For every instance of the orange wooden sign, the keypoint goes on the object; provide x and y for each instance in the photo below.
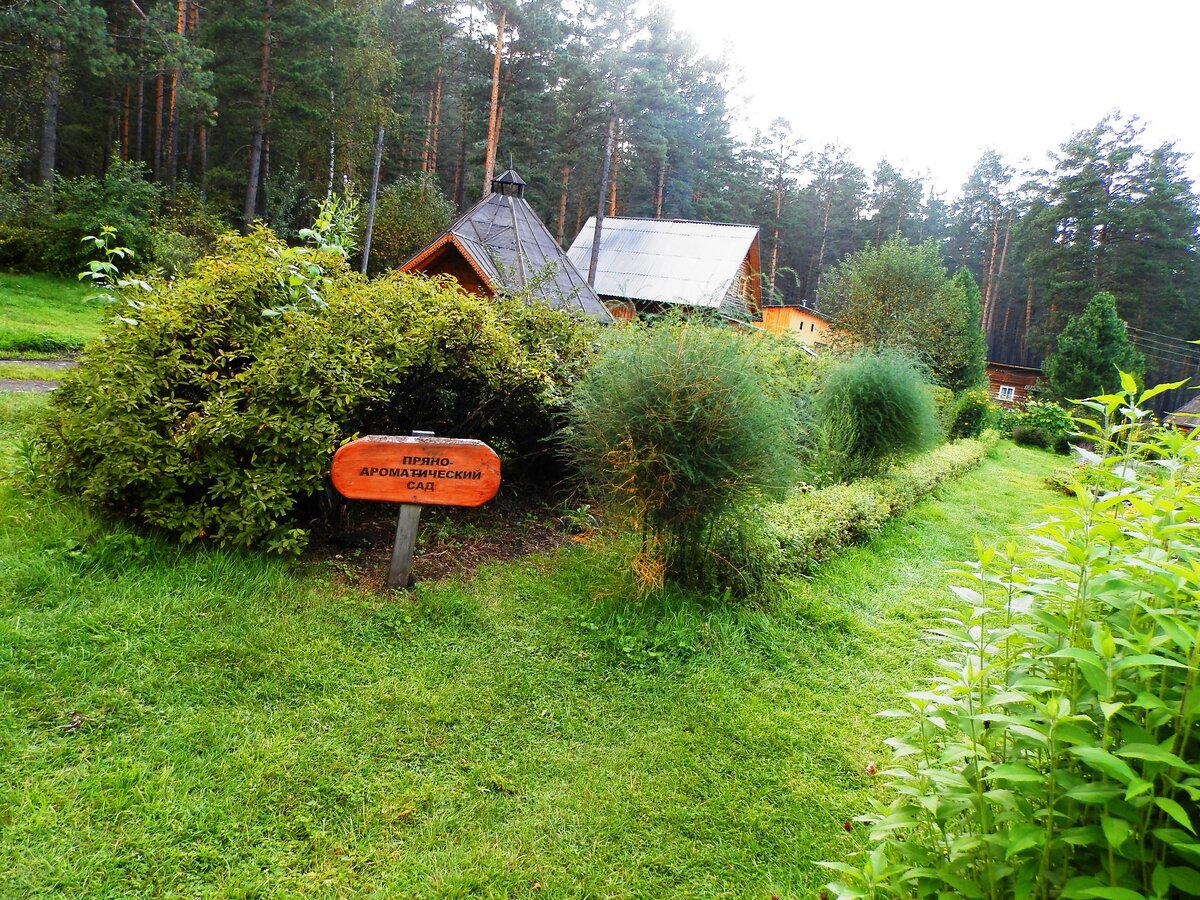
(430, 471)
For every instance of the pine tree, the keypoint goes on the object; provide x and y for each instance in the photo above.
(1090, 351)
(966, 362)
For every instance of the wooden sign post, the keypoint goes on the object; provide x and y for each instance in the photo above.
(416, 471)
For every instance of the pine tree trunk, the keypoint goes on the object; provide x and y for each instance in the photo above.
(427, 133)
(141, 118)
(250, 210)
(259, 140)
(815, 277)
(374, 198)
(990, 272)
(660, 189)
(562, 202)
(264, 197)
(989, 310)
(489, 160)
(437, 119)
(1028, 308)
(125, 100)
(156, 164)
(460, 169)
(203, 137)
(604, 175)
(615, 166)
(775, 231)
(172, 153)
(47, 159)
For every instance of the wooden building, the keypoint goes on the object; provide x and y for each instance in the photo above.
(1011, 385)
(1187, 416)
(803, 323)
(501, 244)
(650, 265)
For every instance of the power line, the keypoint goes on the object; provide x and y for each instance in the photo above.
(1178, 347)
(1164, 355)
(1169, 337)
(1166, 349)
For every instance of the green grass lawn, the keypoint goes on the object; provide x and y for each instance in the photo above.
(195, 723)
(45, 315)
(27, 370)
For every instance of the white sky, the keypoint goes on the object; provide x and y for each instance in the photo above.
(932, 83)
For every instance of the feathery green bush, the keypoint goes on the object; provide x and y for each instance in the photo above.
(681, 422)
(872, 409)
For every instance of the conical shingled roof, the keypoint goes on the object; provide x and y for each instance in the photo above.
(509, 247)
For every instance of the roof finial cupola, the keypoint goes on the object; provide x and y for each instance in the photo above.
(509, 182)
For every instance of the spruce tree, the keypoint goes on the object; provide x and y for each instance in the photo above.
(1090, 350)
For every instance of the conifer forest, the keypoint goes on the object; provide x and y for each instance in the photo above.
(252, 109)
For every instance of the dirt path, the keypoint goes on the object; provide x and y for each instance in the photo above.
(33, 385)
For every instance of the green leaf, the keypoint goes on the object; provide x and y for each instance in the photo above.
(1104, 762)
(1158, 389)
(1022, 837)
(1160, 881)
(1184, 878)
(1116, 831)
(1016, 772)
(1175, 811)
(1154, 753)
(1094, 792)
(1148, 659)
(1107, 893)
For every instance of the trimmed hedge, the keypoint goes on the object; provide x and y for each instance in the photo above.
(790, 538)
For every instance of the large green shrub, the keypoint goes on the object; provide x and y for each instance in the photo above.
(213, 409)
(410, 212)
(1044, 424)
(973, 411)
(680, 422)
(1054, 753)
(897, 295)
(872, 409)
(186, 230)
(123, 199)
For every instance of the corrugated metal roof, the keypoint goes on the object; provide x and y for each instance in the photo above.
(510, 245)
(1187, 415)
(665, 261)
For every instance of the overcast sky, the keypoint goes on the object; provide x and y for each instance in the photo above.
(932, 83)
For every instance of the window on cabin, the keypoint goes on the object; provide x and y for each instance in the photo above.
(1006, 392)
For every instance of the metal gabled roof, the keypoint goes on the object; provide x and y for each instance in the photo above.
(667, 261)
(508, 245)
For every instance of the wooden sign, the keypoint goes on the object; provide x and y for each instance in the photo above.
(426, 470)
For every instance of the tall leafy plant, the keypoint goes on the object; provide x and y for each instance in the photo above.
(1054, 753)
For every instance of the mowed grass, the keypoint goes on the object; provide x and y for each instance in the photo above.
(198, 723)
(44, 315)
(28, 370)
